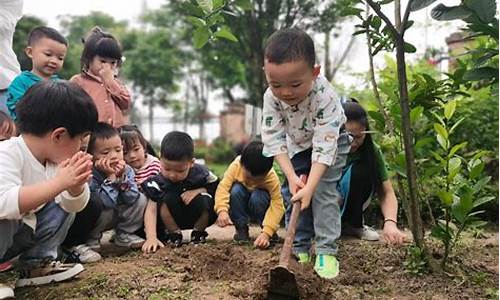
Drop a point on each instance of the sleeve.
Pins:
(10, 183)
(129, 191)
(16, 91)
(119, 94)
(276, 209)
(273, 129)
(74, 204)
(329, 117)
(152, 189)
(107, 192)
(224, 189)
(212, 183)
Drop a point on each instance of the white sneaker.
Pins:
(6, 292)
(86, 254)
(366, 233)
(53, 271)
(93, 244)
(128, 240)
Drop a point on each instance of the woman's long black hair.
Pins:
(356, 113)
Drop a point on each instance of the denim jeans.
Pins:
(245, 205)
(321, 220)
(33, 247)
(3, 101)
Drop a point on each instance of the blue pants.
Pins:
(321, 220)
(3, 101)
(33, 247)
(245, 205)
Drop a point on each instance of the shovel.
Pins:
(282, 282)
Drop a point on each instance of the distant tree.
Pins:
(23, 28)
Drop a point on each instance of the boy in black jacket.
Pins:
(183, 192)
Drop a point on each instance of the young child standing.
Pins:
(47, 50)
(183, 192)
(100, 60)
(302, 129)
(135, 154)
(43, 180)
(250, 189)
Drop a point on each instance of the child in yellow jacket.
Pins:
(250, 189)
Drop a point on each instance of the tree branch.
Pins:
(405, 18)
(388, 22)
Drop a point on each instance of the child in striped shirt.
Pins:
(135, 153)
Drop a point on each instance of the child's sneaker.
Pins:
(303, 258)
(241, 235)
(52, 271)
(6, 292)
(5, 266)
(128, 240)
(175, 238)
(326, 266)
(85, 254)
(366, 233)
(94, 244)
(198, 237)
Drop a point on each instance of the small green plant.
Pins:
(460, 181)
(415, 263)
(491, 293)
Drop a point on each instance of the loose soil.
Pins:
(221, 269)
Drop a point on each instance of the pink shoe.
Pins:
(5, 266)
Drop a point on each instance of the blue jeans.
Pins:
(245, 205)
(321, 220)
(3, 101)
(19, 239)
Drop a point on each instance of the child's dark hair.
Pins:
(50, 104)
(102, 131)
(253, 160)
(289, 45)
(40, 32)
(354, 112)
(177, 146)
(7, 125)
(130, 134)
(100, 43)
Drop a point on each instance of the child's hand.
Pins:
(295, 184)
(73, 173)
(119, 168)
(304, 196)
(223, 219)
(151, 245)
(262, 241)
(106, 166)
(188, 196)
(392, 235)
(107, 73)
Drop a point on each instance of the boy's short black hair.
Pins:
(253, 160)
(288, 45)
(102, 131)
(45, 32)
(177, 146)
(100, 43)
(50, 104)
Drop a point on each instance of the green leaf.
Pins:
(455, 148)
(244, 4)
(376, 22)
(198, 22)
(441, 121)
(454, 165)
(206, 5)
(378, 118)
(476, 170)
(200, 37)
(482, 201)
(409, 48)
(484, 9)
(478, 186)
(359, 32)
(449, 109)
(416, 113)
(452, 129)
(419, 4)
(481, 74)
(464, 206)
(438, 157)
(446, 197)
(441, 130)
(439, 232)
(442, 12)
(422, 142)
(225, 32)
(218, 4)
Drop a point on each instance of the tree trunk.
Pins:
(150, 118)
(328, 62)
(342, 58)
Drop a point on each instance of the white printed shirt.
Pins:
(314, 122)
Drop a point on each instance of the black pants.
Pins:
(185, 216)
(360, 189)
(85, 221)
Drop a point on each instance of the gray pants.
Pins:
(321, 220)
(33, 247)
(124, 218)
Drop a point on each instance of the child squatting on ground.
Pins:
(303, 129)
(43, 180)
(183, 193)
(47, 50)
(250, 189)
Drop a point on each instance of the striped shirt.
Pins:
(150, 168)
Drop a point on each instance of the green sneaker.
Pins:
(303, 257)
(326, 266)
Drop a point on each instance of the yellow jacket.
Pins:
(270, 183)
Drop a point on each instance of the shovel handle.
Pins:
(286, 251)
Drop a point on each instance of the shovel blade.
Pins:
(282, 285)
